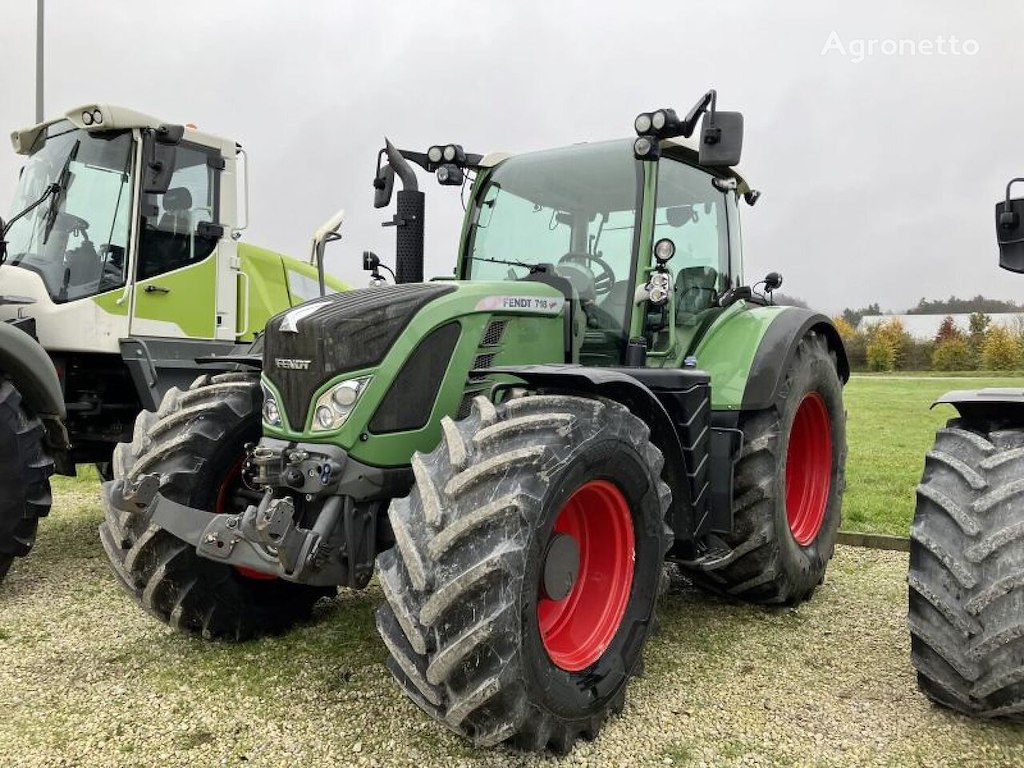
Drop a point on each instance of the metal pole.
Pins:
(39, 61)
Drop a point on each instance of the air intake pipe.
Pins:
(408, 220)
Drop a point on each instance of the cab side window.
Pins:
(691, 212)
(176, 226)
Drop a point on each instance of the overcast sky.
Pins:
(879, 171)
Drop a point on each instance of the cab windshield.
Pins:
(78, 238)
(573, 209)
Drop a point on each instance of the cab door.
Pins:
(175, 294)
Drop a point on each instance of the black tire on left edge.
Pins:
(25, 470)
(195, 442)
(472, 638)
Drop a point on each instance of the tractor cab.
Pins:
(641, 237)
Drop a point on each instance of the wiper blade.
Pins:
(61, 188)
(532, 267)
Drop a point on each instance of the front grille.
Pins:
(493, 334)
(488, 349)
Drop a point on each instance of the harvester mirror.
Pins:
(721, 139)
(383, 185)
(1010, 231)
(160, 150)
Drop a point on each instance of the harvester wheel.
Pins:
(25, 471)
(788, 488)
(527, 563)
(195, 442)
(967, 571)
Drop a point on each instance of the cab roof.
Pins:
(686, 149)
(112, 118)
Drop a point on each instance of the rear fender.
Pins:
(31, 370)
(748, 350)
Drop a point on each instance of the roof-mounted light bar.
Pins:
(721, 136)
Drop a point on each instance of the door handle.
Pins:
(156, 289)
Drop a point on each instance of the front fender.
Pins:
(749, 348)
(31, 370)
(1003, 404)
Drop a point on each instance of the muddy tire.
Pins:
(966, 579)
(788, 489)
(196, 442)
(487, 628)
(25, 470)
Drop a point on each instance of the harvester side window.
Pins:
(172, 237)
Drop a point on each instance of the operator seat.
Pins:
(696, 290)
(176, 242)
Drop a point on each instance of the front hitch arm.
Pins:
(263, 538)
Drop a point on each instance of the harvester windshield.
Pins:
(78, 239)
(574, 208)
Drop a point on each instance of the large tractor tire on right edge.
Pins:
(528, 557)
(196, 443)
(966, 579)
(25, 471)
(788, 488)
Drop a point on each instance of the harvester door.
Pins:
(176, 272)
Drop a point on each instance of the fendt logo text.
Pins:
(291, 363)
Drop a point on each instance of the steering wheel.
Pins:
(604, 280)
(68, 222)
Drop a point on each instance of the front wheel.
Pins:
(25, 471)
(196, 443)
(788, 488)
(527, 562)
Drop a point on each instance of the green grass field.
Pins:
(889, 430)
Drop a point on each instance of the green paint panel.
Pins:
(528, 339)
(190, 301)
(728, 348)
(108, 302)
(270, 290)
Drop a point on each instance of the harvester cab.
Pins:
(514, 450)
(120, 268)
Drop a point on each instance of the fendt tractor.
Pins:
(121, 268)
(966, 577)
(518, 448)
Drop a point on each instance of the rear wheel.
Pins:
(25, 471)
(788, 487)
(528, 558)
(196, 443)
(966, 578)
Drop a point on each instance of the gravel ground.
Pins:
(88, 679)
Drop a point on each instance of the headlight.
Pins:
(271, 411)
(334, 405)
(87, 117)
(97, 117)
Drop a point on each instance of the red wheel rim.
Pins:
(808, 469)
(227, 490)
(577, 629)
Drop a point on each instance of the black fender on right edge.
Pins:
(775, 353)
(993, 404)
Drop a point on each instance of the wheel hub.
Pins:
(561, 566)
(808, 469)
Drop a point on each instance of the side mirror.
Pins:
(721, 139)
(383, 184)
(160, 152)
(1010, 233)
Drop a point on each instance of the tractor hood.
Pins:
(412, 349)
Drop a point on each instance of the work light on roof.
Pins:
(434, 154)
(87, 117)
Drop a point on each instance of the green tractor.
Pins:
(119, 270)
(514, 451)
(966, 578)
